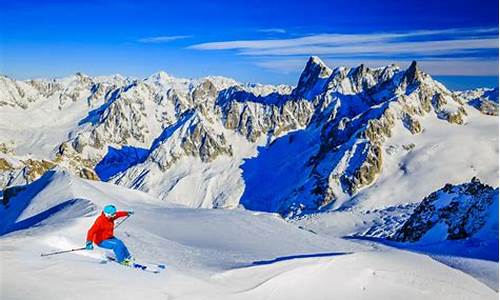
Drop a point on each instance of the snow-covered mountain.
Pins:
(346, 156)
(341, 137)
(454, 212)
(483, 99)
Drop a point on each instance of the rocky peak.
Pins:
(206, 90)
(347, 114)
(362, 78)
(483, 99)
(192, 135)
(452, 212)
(160, 76)
(360, 71)
(313, 78)
(80, 74)
(412, 74)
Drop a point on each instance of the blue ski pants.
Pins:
(118, 247)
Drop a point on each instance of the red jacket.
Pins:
(103, 227)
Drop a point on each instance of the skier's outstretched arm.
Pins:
(122, 213)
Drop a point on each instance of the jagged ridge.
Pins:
(345, 116)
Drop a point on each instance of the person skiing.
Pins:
(101, 234)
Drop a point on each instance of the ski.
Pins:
(159, 266)
(151, 268)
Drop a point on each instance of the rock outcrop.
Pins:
(483, 99)
(452, 212)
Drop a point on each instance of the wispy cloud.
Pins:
(163, 39)
(408, 48)
(436, 67)
(470, 48)
(272, 30)
(341, 40)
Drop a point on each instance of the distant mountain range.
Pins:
(343, 138)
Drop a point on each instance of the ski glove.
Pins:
(130, 212)
(89, 245)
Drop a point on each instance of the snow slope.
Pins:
(170, 175)
(210, 254)
(442, 153)
(456, 225)
(346, 156)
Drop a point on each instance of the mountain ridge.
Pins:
(347, 116)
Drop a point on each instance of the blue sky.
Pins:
(256, 41)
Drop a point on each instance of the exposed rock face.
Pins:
(313, 79)
(412, 123)
(10, 193)
(14, 171)
(205, 144)
(74, 94)
(138, 113)
(453, 114)
(5, 165)
(36, 168)
(23, 94)
(68, 157)
(255, 116)
(357, 110)
(192, 135)
(488, 108)
(462, 209)
(337, 120)
(484, 100)
(5, 149)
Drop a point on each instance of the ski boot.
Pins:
(129, 262)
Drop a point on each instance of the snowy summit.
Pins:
(359, 183)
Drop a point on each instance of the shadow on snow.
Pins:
(298, 256)
(468, 248)
(11, 211)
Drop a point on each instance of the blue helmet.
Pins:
(109, 210)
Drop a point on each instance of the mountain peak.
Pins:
(315, 63)
(316, 60)
(464, 208)
(160, 76)
(412, 73)
(359, 71)
(313, 78)
(81, 76)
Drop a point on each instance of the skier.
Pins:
(101, 233)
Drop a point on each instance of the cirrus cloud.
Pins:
(162, 39)
(470, 49)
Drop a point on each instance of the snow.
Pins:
(486, 93)
(53, 116)
(233, 253)
(210, 254)
(47, 126)
(485, 271)
(265, 189)
(217, 183)
(435, 234)
(438, 157)
(364, 275)
(490, 228)
(146, 108)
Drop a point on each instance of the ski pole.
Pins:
(122, 221)
(63, 251)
